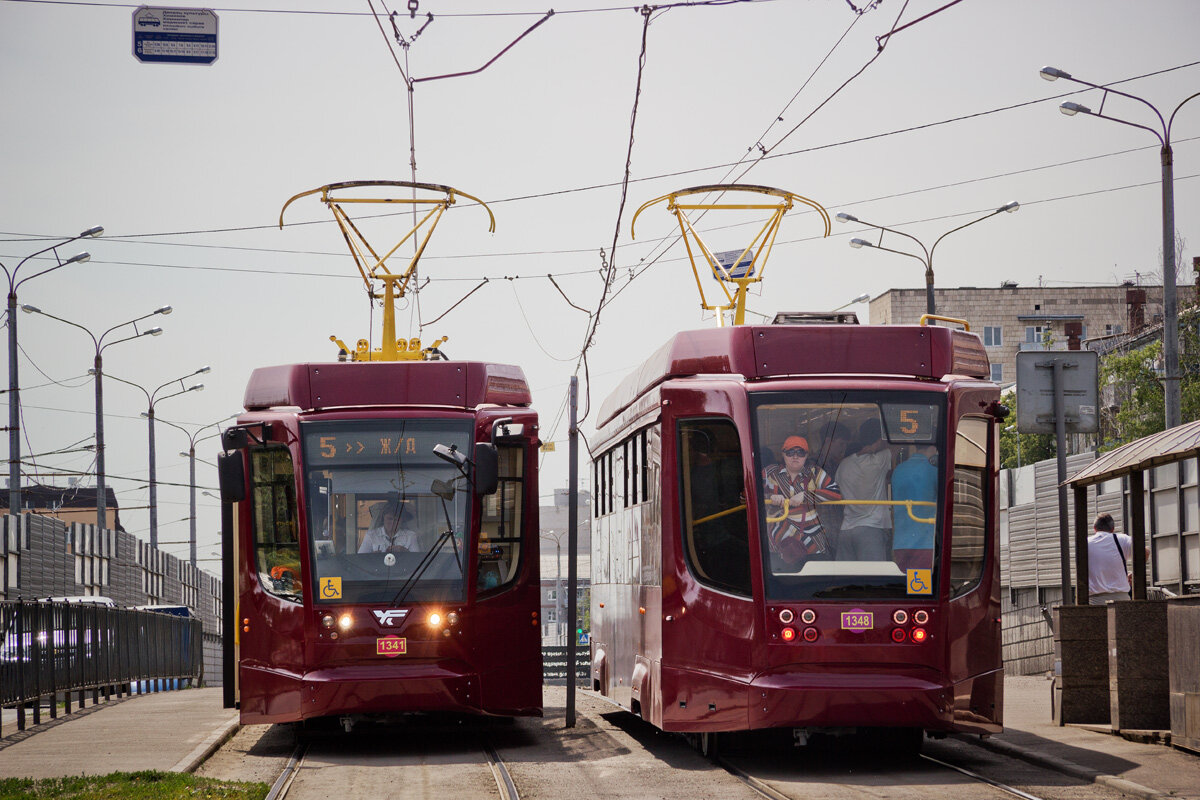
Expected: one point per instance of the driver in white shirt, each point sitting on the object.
(388, 535)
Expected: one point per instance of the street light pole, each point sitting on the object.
(190, 455)
(14, 389)
(98, 372)
(1172, 402)
(151, 399)
(927, 260)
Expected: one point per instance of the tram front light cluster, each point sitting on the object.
(788, 634)
(442, 621)
(344, 622)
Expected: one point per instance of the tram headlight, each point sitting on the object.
(808, 616)
(327, 621)
(452, 618)
(435, 620)
(898, 635)
(786, 616)
(811, 634)
(900, 616)
(921, 617)
(345, 621)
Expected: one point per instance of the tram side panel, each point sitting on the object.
(270, 611)
(710, 634)
(972, 582)
(505, 640)
(626, 578)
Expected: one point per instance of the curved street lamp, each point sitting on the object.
(98, 372)
(1172, 411)
(152, 398)
(927, 258)
(193, 438)
(14, 389)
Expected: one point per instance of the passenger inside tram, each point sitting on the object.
(829, 512)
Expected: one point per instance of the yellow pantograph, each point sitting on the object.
(747, 268)
(373, 267)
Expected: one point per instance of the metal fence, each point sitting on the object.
(554, 665)
(53, 652)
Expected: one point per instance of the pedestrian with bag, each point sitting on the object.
(1108, 571)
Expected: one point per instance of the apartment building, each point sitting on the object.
(1011, 318)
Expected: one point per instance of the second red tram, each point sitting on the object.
(795, 526)
(381, 541)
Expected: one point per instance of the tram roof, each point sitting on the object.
(756, 352)
(461, 384)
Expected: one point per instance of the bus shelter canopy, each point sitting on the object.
(1175, 444)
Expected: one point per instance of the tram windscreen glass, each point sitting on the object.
(387, 519)
(848, 493)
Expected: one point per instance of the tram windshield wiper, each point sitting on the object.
(445, 491)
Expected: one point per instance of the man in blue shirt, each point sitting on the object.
(915, 479)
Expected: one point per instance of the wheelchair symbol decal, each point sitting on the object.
(331, 588)
(920, 581)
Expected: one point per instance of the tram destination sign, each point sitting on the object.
(164, 35)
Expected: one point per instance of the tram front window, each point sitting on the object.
(388, 520)
(848, 493)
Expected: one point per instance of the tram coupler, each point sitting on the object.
(347, 723)
(799, 737)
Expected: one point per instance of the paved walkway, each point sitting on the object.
(172, 731)
(177, 730)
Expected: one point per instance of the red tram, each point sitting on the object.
(329, 464)
(722, 603)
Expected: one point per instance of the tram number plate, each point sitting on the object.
(391, 646)
(857, 620)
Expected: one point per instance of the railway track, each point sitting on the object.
(422, 772)
(834, 785)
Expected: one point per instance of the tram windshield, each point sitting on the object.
(848, 490)
(388, 520)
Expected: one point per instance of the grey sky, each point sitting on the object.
(92, 136)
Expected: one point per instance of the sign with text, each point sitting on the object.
(174, 35)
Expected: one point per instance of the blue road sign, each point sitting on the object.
(584, 638)
(174, 35)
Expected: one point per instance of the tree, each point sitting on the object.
(1131, 386)
(1020, 449)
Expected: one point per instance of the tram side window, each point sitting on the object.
(714, 504)
(968, 544)
(276, 535)
(503, 523)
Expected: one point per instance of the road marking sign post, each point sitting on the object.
(174, 35)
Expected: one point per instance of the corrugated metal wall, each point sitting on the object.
(44, 557)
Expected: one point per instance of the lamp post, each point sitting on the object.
(151, 399)
(14, 390)
(193, 438)
(862, 298)
(1171, 390)
(927, 260)
(98, 372)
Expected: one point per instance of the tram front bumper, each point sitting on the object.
(408, 687)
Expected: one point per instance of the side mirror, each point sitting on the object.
(235, 438)
(487, 469)
(231, 473)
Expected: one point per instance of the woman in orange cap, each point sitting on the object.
(798, 537)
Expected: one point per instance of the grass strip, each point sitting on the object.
(145, 785)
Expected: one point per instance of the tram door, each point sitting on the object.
(506, 585)
(709, 615)
(270, 591)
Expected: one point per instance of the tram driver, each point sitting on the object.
(389, 531)
(797, 536)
